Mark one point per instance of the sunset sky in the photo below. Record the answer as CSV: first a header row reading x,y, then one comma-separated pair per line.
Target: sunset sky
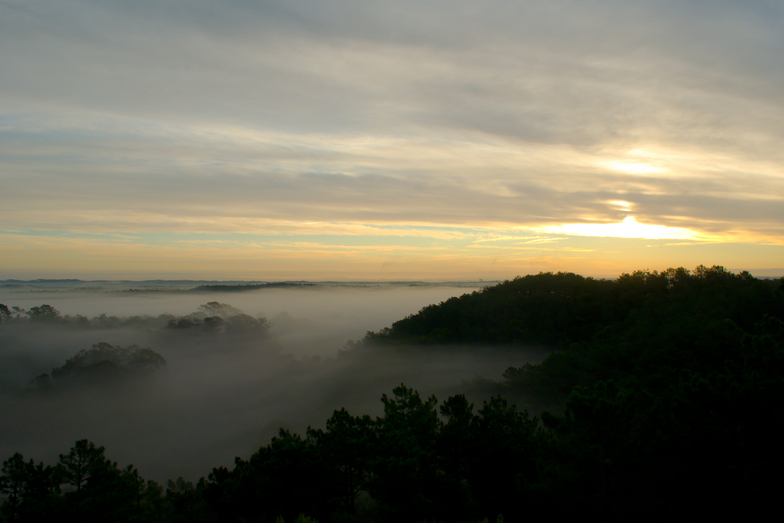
x,y
370,140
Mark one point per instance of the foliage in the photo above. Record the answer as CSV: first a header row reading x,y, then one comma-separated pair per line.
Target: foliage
x,y
29,488
564,308
132,359
215,317
212,317
413,463
672,383
103,364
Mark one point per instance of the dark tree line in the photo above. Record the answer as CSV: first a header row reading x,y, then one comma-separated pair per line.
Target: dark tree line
x,y
563,308
706,447
83,486
409,464
672,384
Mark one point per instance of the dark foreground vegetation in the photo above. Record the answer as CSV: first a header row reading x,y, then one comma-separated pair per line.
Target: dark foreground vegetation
x,y
671,386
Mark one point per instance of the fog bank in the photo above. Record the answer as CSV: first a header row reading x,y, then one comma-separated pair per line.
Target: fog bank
x,y
223,393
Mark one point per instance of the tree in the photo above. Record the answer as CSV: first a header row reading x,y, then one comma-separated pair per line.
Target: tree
x,y
27,485
503,458
455,446
111,358
81,463
261,487
455,438
12,483
407,411
404,469
5,312
45,313
220,310
346,446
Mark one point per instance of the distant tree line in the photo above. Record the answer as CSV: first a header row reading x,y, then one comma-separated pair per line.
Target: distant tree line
x,y
251,287
212,317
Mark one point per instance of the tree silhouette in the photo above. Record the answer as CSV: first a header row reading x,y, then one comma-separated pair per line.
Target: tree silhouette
x,y
404,468
12,483
44,313
82,463
27,486
347,446
5,313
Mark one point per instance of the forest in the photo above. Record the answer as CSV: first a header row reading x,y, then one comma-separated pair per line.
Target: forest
x,y
658,399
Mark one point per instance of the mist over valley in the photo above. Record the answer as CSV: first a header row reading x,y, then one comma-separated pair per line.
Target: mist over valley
x,y
237,366
504,400
384,262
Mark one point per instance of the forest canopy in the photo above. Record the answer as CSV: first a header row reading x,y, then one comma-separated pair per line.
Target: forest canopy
x,y
665,391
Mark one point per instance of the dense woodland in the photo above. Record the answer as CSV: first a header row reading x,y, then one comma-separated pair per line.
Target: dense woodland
x,y
668,388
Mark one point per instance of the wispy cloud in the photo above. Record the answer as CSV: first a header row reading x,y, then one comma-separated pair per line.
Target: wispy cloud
x,y
456,123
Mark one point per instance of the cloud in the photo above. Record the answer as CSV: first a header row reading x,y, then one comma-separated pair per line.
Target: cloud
x,y
628,228
184,118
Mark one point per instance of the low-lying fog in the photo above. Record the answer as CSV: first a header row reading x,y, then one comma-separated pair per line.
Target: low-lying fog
x,y
308,320
224,392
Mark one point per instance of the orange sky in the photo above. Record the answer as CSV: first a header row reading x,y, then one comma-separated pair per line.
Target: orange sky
x,y
416,140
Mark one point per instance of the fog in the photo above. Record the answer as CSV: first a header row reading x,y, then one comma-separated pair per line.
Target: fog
x,y
224,392
309,320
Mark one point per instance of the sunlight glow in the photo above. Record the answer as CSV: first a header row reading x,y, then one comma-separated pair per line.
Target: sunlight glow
x,y
634,167
628,228
620,204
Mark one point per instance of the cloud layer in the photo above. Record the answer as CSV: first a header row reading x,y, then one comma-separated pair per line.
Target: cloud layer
x,y
142,125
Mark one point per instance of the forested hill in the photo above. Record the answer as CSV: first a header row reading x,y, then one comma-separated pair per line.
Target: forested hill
x,y
564,308
672,385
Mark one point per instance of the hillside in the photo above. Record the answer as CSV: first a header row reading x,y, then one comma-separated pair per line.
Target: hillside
x,y
563,308
670,387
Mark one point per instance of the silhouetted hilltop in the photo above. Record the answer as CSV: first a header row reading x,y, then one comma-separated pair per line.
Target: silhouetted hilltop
x,y
563,308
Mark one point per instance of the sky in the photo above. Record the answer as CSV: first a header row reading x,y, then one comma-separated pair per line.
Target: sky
x,y
368,140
